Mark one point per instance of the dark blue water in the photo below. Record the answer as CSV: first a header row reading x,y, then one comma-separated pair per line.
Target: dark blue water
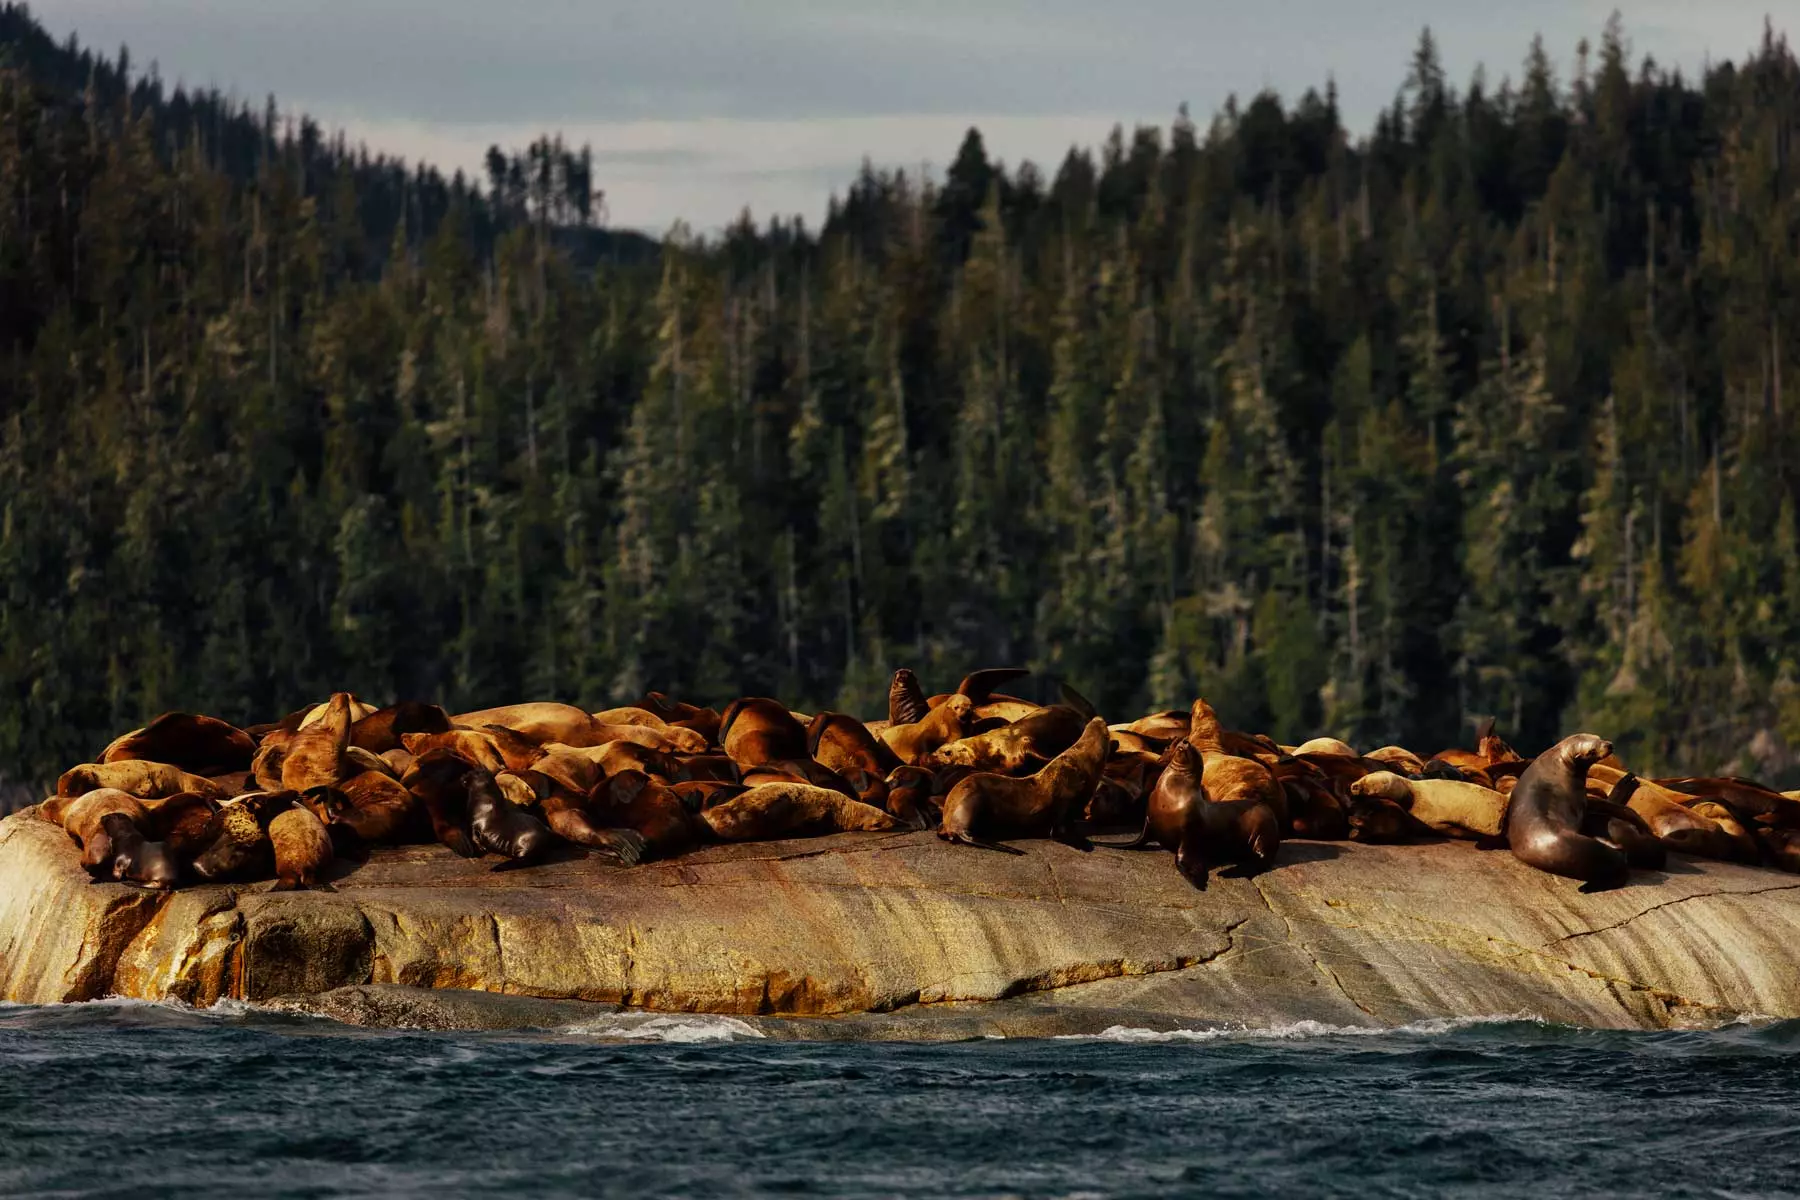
x,y
136,1100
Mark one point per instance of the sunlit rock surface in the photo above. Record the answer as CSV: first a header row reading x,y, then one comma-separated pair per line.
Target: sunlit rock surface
x,y
903,935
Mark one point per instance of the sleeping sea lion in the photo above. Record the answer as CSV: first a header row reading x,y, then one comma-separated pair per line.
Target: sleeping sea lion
x,y
1325,745
782,810
1202,831
474,746
180,823
82,818
1762,805
1459,810
196,744
569,817
436,779
909,797
630,799
1399,760
541,721
1016,749
1617,824
237,837
1679,827
985,806
354,711
302,847
142,778
845,744
1545,812
381,730
134,858
756,730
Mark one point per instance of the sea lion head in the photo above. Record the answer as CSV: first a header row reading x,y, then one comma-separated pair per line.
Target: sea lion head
x,y
136,860
1584,749
1184,761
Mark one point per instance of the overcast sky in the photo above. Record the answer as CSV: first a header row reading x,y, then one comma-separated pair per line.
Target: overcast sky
x,y
697,108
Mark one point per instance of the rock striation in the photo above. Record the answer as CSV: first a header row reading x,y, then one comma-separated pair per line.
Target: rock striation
x,y
890,933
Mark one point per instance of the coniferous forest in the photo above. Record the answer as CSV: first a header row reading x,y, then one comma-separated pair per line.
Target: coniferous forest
x,y
1489,409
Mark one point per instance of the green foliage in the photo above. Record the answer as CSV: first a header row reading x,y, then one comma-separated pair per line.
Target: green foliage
x,y
1490,411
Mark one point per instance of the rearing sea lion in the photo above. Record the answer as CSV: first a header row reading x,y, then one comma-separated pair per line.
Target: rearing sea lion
x,y
1545,812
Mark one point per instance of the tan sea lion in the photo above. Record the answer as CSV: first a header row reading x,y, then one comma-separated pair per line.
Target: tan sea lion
x,y
302,847
199,745
1544,815
1398,759
756,730
541,721
265,768
1459,810
783,810
382,810
144,779
631,714
81,817
1016,749
1230,776
315,755
354,711
1325,745
912,741
1182,817
1762,805
845,744
984,807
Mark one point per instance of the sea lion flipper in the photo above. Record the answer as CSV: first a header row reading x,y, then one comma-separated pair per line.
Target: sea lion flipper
x,y
1491,841
1076,700
978,686
980,844
1622,790
626,846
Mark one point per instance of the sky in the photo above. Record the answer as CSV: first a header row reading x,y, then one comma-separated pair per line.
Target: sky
x,y
698,109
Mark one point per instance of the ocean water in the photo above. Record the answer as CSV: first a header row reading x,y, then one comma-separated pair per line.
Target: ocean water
x,y
129,1099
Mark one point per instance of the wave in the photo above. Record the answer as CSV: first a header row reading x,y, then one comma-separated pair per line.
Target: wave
x,y
1301,1030
688,1028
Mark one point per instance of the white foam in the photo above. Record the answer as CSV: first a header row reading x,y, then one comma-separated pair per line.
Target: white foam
x,y
689,1028
1295,1031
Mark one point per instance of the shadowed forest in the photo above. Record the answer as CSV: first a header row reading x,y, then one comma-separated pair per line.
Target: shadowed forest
x,y
1361,433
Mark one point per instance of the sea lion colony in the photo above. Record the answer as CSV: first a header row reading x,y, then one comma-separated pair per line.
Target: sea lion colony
x,y
192,798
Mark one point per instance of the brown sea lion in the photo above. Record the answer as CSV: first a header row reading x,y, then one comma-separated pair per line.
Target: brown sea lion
x,y
135,859
1617,824
358,760
910,798
1164,727
1679,827
196,744
1202,831
1545,812
1459,810
782,810
756,730
517,751
1230,776
913,741
570,818
499,826
381,809
801,770
844,743
381,730
238,846
302,847
474,746
144,779
399,761
1781,847
698,795
541,721
180,823
631,714
984,806
81,817
1491,748
703,721
1017,749
1762,805
265,768
315,755
1399,760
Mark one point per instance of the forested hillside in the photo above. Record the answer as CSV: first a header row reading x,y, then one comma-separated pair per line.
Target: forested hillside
x,y
1481,411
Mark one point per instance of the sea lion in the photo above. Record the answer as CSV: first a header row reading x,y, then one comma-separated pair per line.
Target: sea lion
x,y
907,704
436,779
142,778
541,721
357,760
1164,727
909,797
381,809
845,744
569,817
807,771
782,810
633,800
1399,760
381,730
180,823
1459,810
756,730
132,858
238,846
1762,805
354,710
1545,812
315,755
265,768
1679,827
199,745
986,806
1182,817
631,714
1782,847
1617,824
82,818
399,762
302,847
1227,775
698,795
1325,745
1017,749
499,826
912,741
474,746
517,751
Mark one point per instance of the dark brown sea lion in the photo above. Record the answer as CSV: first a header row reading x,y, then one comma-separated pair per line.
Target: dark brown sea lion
x,y
135,859
913,741
843,743
382,729
698,795
985,807
1230,776
1618,825
315,755
144,779
196,744
803,770
1017,749
1782,847
381,809
302,847
238,846
1545,812
907,703
499,826
265,768
756,730
1202,831
180,823
436,779
910,798
633,800
570,818
1678,826
782,810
